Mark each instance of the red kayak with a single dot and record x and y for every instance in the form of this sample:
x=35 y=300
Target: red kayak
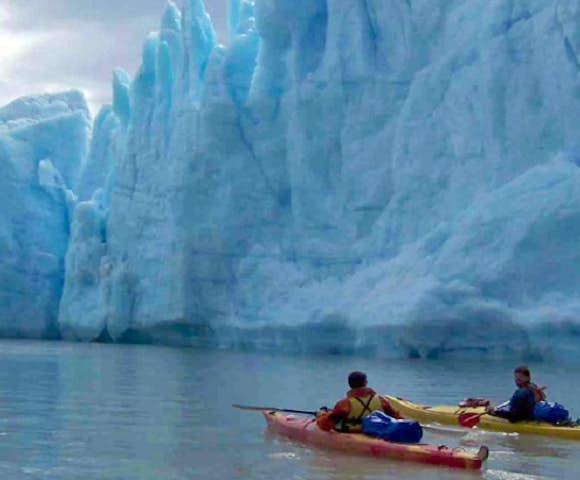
x=306 y=431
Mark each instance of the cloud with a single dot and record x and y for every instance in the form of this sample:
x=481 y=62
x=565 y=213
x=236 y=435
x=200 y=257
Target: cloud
x=15 y=45
x=49 y=45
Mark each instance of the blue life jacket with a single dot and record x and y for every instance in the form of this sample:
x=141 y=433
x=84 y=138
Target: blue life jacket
x=379 y=424
x=550 y=412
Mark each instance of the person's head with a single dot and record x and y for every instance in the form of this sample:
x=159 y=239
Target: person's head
x=357 y=380
x=522 y=375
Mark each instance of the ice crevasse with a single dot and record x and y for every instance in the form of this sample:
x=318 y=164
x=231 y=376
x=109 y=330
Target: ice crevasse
x=394 y=178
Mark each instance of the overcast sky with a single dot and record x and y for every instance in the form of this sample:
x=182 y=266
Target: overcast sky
x=54 y=45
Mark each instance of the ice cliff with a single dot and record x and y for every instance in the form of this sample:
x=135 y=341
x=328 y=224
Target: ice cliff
x=43 y=141
x=393 y=177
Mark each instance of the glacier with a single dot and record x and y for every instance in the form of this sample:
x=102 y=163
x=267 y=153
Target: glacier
x=43 y=141
x=392 y=178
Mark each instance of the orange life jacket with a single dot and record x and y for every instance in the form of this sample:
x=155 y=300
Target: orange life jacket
x=539 y=395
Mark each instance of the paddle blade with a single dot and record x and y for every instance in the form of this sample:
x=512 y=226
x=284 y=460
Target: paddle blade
x=469 y=420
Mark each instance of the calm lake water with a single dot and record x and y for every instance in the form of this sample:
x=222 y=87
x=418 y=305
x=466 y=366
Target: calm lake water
x=73 y=411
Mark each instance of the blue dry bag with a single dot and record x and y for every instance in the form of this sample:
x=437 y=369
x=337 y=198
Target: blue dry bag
x=379 y=424
x=550 y=412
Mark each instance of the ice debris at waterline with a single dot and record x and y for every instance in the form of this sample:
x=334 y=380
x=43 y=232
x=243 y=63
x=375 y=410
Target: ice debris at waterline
x=399 y=178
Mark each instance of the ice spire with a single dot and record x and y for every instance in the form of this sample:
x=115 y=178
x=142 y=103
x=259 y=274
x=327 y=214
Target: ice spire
x=121 y=101
x=244 y=46
x=200 y=40
x=233 y=18
x=240 y=17
x=165 y=73
x=171 y=18
x=145 y=81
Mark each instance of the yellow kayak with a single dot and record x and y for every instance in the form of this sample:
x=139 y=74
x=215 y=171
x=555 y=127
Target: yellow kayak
x=449 y=415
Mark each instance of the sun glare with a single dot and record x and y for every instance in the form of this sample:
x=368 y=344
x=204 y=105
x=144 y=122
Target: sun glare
x=11 y=47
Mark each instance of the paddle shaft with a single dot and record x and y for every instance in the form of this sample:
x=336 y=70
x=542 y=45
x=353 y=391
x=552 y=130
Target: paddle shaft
x=501 y=405
x=274 y=409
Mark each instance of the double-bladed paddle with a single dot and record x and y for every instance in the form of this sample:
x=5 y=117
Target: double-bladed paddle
x=311 y=412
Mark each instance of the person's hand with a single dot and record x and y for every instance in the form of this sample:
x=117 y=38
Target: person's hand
x=321 y=411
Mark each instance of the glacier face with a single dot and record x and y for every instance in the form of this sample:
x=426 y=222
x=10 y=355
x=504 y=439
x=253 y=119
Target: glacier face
x=43 y=140
x=346 y=175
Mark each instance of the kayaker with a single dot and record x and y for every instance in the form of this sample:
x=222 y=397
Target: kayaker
x=521 y=405
x=347 y=414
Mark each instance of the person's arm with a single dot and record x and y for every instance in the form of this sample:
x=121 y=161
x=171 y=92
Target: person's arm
x=327 y=420
x=507 y=414
x=389 y=410
x=521 y=406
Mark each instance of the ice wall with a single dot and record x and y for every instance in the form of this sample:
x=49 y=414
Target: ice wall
x=347 y=175
x=43 y=140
